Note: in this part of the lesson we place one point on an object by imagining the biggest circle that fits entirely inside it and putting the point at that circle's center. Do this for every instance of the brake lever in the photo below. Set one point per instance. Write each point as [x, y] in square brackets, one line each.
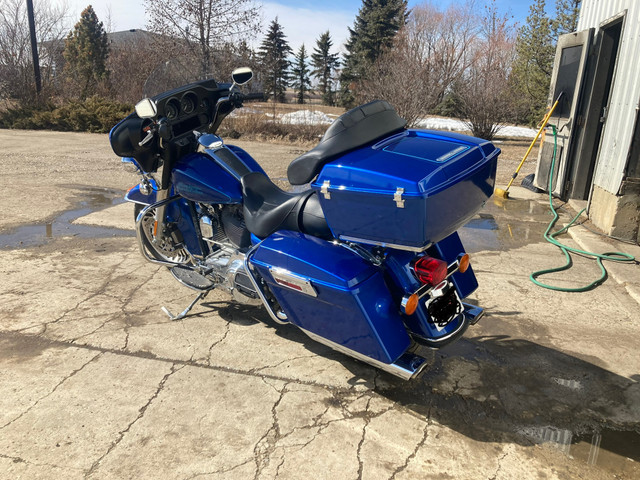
[147, 139]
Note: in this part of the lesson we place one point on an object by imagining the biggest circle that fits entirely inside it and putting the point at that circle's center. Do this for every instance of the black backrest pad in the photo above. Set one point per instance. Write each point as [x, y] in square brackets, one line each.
[353, 129]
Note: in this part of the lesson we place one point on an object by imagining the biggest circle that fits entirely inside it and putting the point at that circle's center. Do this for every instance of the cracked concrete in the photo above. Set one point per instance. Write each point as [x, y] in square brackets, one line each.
[96, 382]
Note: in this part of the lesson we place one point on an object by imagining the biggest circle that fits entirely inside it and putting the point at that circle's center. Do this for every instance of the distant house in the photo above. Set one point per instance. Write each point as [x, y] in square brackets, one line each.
[598, 117]
[135, 36]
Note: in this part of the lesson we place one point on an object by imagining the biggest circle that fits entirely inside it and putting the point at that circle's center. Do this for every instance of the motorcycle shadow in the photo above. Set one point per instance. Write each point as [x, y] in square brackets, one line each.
[510, 390]
[496, 388]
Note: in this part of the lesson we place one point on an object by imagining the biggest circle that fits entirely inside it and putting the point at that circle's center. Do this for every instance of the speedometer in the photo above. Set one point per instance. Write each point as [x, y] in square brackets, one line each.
[171, 109]
[187, 104]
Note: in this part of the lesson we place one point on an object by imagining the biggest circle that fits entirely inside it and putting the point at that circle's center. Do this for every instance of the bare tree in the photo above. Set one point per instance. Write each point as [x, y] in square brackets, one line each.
[204, 25]
[133, 56]
[16, 65]
[431, 51]
[484, 94]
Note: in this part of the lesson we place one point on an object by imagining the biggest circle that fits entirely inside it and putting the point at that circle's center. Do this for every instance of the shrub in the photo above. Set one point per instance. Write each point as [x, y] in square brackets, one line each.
[261, 127]
[95, 114]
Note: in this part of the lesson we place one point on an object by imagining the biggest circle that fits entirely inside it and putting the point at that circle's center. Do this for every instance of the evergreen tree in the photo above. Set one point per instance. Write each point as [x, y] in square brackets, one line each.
[86, 51]
[324, 64]
[531, 76]
[566, 21]
[273, 53]
[300, 75]
[373, 31]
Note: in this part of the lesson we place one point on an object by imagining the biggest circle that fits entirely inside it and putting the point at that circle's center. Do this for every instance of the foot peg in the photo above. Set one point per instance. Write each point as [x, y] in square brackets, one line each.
[184, 313]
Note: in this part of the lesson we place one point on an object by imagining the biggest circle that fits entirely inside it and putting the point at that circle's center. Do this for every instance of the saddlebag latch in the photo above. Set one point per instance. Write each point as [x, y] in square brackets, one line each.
[397, 197]
[325, 189]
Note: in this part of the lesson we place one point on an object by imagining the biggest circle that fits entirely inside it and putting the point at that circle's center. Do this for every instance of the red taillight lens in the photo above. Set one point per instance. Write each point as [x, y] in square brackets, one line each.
[429, 270]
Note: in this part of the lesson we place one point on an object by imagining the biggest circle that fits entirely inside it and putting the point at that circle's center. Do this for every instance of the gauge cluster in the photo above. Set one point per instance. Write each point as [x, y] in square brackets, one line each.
[190, 107]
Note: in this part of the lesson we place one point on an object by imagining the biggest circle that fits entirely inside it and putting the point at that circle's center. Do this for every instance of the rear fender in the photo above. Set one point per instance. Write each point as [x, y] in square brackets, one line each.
[403, 282]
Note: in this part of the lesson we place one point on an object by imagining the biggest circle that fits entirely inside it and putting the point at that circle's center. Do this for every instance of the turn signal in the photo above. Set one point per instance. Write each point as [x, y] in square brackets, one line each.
[429, 270]
[463, 263]
[410, 304]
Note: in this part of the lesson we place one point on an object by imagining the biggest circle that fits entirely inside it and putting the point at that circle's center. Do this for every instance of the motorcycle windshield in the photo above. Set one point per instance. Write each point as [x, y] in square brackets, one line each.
[172, 74]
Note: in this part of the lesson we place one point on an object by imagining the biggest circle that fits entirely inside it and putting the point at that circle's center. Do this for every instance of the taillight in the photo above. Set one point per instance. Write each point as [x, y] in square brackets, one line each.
[429, 270]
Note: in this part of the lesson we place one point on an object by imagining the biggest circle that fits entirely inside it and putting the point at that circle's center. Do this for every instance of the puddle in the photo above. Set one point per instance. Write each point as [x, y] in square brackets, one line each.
[506, 224]
[609, 449]
[92, 200]
[508, 390]
[483, 221]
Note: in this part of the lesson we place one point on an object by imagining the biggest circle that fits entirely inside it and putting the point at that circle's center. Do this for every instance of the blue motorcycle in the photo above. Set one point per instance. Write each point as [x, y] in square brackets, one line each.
[365, 259]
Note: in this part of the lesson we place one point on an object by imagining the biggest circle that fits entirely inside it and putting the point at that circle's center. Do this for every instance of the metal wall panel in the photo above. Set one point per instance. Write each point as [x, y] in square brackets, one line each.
[625, 95]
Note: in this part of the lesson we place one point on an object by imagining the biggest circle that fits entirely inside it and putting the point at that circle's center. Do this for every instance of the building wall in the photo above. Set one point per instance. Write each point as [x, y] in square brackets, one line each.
[625, 96]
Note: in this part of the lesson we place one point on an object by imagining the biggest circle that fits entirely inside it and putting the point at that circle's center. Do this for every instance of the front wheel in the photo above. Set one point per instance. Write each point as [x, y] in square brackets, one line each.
[166, 247]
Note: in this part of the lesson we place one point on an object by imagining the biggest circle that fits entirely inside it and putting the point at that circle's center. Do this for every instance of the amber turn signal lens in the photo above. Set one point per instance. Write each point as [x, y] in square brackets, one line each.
[410, 304]
[463, 263]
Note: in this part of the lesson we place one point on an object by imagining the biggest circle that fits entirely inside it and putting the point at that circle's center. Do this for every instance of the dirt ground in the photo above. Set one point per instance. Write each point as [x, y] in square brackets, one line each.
[96, 382]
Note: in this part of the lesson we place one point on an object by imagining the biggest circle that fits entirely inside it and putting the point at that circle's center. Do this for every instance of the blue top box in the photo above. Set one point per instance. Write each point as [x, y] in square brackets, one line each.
[407, 191]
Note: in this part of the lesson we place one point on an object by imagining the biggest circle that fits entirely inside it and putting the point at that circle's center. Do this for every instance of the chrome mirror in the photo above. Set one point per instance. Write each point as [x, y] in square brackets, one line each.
[241, 75]
[146, 108]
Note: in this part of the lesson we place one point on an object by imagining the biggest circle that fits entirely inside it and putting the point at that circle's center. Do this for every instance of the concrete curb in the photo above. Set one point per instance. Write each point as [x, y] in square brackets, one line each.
[626, 274]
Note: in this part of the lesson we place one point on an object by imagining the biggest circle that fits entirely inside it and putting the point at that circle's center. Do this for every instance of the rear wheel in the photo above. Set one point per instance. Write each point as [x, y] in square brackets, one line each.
[166, 246]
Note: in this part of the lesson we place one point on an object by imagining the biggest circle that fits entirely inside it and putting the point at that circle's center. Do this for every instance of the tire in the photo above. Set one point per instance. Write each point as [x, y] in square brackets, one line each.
[166, 251]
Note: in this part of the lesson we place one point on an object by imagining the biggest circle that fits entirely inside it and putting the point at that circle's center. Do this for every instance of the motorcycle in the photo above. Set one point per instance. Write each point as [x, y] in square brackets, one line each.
[364, 259]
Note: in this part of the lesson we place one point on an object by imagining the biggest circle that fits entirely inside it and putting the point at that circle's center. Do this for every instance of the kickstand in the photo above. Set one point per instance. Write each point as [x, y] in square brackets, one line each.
[180, 316]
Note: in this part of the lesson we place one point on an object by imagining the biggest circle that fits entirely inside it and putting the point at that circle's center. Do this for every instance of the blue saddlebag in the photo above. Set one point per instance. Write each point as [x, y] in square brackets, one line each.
[330, 291]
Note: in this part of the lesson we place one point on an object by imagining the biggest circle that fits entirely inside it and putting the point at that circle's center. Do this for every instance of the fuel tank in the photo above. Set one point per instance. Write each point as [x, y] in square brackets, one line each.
[213, 176]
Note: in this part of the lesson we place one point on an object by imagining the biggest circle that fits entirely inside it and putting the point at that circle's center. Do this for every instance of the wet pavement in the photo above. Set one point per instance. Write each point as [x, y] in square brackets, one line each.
[96, 382]
[90, 200]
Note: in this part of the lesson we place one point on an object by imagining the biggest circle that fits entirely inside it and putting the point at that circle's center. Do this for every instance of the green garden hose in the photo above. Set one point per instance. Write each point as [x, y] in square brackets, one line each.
[550, 237]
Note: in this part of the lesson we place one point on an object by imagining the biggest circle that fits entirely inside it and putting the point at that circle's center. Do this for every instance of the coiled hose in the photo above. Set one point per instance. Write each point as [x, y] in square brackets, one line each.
[620, 257]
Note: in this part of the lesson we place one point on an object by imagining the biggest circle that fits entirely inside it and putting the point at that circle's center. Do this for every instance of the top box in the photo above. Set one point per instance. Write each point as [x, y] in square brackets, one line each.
[407, 191]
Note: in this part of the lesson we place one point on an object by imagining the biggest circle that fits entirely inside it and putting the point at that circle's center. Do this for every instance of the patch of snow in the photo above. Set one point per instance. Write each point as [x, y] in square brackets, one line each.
[452, 124]
[513, 131]
[306, 117]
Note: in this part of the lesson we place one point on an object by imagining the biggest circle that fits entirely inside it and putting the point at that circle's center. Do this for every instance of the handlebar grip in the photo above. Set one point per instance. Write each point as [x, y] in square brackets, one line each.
[254, 96]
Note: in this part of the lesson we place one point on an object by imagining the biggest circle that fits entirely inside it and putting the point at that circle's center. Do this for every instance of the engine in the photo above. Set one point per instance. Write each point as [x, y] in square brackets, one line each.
[224, 230]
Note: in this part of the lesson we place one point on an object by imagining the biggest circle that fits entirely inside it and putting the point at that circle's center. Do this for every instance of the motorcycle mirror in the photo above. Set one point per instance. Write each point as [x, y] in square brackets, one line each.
[241, 75]
[146, 108]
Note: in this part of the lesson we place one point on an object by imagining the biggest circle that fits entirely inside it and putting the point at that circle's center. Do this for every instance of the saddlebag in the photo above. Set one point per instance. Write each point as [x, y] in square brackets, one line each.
[409, 190]
[330, 291]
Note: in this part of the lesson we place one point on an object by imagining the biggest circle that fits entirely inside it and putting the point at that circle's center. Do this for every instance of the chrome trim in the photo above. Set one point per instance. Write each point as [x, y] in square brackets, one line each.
[184, 313]
[407, 366]
[360, 251]
[384, 244]
[424, 290]
[404, 302]
[185, 284]
[294, 282]
[265, 302]
[397, 197]
[464, 324]
[139, 234]
[210, 141]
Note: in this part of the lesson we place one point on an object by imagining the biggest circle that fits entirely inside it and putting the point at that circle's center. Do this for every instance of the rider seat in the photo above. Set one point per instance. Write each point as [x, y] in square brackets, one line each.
[353, 129]
[268, 209]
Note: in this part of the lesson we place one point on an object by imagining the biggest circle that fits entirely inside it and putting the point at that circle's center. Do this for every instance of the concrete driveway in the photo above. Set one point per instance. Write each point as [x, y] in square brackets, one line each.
[96, 382]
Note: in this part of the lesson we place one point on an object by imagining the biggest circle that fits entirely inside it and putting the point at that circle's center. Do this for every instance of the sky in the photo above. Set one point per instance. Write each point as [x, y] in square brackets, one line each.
[303, 21]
